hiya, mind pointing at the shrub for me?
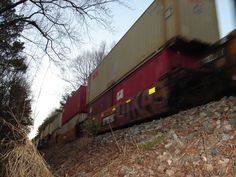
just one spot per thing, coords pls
(91, 126)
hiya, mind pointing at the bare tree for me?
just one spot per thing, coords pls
(77, 70)
(50, 24)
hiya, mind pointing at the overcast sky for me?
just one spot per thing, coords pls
(48, 88)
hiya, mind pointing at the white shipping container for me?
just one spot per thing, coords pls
(56, 123)
(78, 118)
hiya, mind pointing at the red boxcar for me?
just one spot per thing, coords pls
(101, 104)
(76, 104)
(144, 77)
(117, 102)
(149, 74)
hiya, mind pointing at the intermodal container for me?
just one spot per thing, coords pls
(68, 126)
(76, 104)
(143, 78)
(102, 103)
(149, 74)
(56, 123)
(161, 22)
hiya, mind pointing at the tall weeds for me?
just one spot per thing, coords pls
(18, 155)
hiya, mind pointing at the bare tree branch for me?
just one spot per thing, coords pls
(12, 6)
(76, 72)
(58, 21)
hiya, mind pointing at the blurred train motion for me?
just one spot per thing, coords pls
(171, 59)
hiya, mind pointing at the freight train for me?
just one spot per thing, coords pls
(171, 59)
(179, 76)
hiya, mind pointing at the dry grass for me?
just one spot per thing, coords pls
(25, 161)
(19, 156)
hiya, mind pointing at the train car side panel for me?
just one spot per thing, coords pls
(160, 23)
(76, 104)
(101, 104)
(198, 20)
(142, 94)
(149, 74)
